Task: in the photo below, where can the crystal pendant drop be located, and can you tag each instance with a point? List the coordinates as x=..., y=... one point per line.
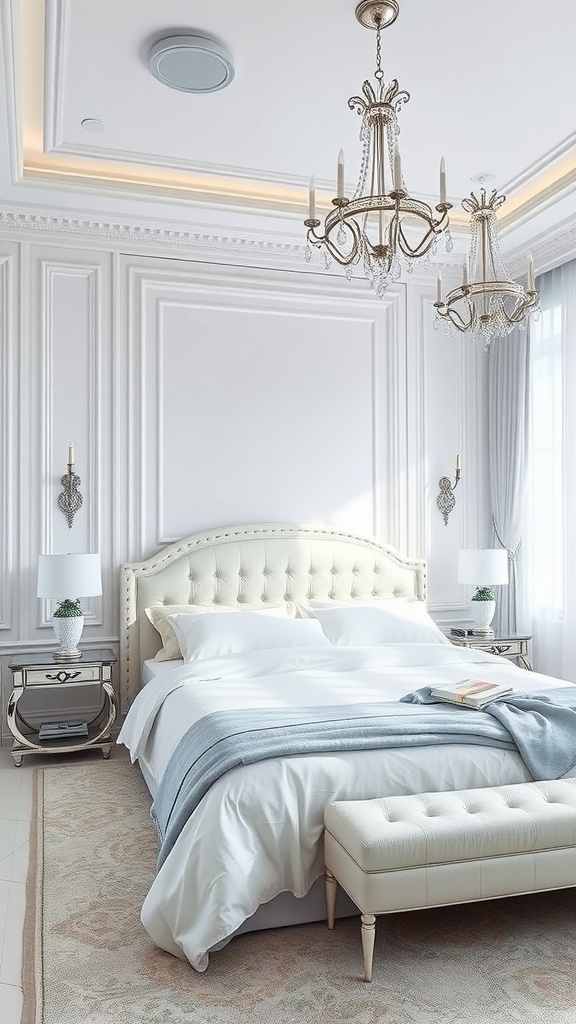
x=341, y=235
x=307, y=254
x=449, y=242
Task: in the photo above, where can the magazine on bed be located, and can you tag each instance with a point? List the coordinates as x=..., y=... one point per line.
x=474, y=693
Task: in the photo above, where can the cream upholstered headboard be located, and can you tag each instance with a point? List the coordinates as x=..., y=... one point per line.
x=254, y=565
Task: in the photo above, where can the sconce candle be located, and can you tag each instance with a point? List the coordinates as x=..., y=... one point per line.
x=70, y=499
x=446, y=501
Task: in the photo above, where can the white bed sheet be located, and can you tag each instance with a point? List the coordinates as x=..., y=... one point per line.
x=258, y=831
x=152, y=668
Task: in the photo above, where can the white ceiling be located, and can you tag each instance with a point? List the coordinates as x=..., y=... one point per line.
x=492, y=89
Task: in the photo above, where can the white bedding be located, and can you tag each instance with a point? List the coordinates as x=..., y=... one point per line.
x=151, y=668
x=257, y=831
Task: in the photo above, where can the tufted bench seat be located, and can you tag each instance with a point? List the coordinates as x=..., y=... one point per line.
x=433, y=849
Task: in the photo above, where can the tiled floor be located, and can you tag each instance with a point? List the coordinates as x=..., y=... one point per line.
x=15, y=810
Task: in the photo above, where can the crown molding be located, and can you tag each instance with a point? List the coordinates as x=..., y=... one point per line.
x=146, y=234
x=550, y=249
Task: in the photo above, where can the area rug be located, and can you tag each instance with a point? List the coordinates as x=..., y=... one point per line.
x=88, y=959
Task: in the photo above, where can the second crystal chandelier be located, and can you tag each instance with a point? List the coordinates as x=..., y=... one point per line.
x=380, y=224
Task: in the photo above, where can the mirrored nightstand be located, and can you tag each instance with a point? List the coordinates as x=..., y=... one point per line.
x=40, y=671
x=514, y=647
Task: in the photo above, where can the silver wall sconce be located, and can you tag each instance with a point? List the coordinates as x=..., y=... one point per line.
x=446, y=500
x=70, y=500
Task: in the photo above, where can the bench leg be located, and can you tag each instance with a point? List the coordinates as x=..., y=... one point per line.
x=331, y=890
x=368, y=936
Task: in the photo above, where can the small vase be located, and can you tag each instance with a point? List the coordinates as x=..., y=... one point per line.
x=68, y=632
x=483, y=613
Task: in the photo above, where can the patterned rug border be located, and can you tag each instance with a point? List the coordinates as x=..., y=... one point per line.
x=32, y=966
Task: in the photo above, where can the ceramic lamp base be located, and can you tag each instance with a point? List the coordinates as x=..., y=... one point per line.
x=483, y=613
x=68, y=631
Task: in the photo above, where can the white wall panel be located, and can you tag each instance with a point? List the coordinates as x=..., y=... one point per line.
x=70, y=401
x=266, y=398
x=10, y=446
x=455, y=412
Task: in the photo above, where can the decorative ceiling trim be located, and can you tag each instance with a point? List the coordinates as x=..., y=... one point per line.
x=143, y=234
x=55, y=51
x=10, y=33
x=550, y=249
x=543, y=163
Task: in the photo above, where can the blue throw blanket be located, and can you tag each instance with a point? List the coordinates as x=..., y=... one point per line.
x=541, y=726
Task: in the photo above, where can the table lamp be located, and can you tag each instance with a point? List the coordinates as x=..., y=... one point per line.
x=67, y=578
x=485, y=568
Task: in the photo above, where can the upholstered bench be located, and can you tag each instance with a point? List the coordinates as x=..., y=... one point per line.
x=433, y=849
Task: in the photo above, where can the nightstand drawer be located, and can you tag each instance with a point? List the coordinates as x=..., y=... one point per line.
x=62, y=674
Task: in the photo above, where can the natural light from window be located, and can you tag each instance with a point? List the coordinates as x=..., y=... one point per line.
x=545, y=497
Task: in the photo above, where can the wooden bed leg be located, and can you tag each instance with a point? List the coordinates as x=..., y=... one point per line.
x=368, y=936
x=331, y=890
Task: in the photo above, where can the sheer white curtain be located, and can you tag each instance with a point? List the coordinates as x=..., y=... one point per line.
x=508, y=432
x=551, y=492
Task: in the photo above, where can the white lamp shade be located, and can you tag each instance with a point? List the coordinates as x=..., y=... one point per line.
x=483, y=566
x=69, y=576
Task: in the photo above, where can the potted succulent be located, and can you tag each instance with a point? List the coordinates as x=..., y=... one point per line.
x=68, y=622
x=483, y=608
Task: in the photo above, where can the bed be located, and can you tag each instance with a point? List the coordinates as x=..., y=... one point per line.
x=249, y=855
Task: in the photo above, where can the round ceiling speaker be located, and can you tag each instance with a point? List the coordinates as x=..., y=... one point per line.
x=191, y=63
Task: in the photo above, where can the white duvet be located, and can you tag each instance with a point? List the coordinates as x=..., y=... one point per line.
x=257, y=831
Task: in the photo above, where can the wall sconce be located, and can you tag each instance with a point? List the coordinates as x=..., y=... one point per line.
x=446, y=500
x=70, y=500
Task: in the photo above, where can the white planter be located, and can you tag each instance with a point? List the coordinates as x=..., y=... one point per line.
x=68, y=632
x=483, y=613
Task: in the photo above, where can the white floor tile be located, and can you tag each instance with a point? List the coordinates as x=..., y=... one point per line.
x=11, y=1003
x=24, y=810
x=19, y=871
x=4, y=891
x=8, y=832
x=6, y=868
x=9, y=807
x=10, y=782
x=11, y=963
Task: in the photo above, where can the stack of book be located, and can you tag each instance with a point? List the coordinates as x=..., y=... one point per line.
x=474, y=693
x=62, y=730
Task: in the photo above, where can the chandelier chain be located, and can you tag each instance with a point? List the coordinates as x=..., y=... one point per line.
x=379, y=74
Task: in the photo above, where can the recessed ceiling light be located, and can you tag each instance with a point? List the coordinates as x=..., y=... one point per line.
x=191, y=63
x=93, y=124
x=483, y=177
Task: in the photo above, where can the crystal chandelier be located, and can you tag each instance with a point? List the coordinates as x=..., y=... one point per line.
x=488, y=304
x=381, y=223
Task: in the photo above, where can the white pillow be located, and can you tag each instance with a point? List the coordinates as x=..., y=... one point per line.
x=384, y=622
x=159, y=616
x=209, y=636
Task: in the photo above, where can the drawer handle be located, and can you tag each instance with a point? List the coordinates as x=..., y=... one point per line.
x=62, y=677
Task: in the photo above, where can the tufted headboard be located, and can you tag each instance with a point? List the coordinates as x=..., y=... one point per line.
x=253, y=565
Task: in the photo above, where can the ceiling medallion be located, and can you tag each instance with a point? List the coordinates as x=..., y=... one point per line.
x=369, y=227
x=488, y=304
